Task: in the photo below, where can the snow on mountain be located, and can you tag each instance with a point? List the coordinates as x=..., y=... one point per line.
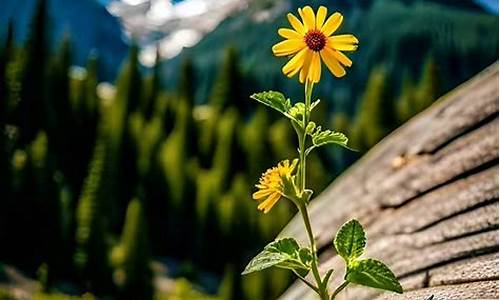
x=170, y=25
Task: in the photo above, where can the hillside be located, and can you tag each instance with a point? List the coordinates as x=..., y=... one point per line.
x=398, y=34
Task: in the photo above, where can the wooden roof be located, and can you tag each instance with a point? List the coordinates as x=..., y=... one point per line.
x=428, y=197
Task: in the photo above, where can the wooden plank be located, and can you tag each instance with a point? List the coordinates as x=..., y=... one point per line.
x=474, y=290
x=466, y=193
x=479, y=268
x=469, y=152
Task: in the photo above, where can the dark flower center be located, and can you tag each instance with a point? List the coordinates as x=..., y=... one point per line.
x=315, y=40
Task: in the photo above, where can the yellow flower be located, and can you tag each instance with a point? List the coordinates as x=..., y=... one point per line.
x=272, y=186
x=311, y=42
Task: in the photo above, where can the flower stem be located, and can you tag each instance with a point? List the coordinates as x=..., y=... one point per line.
x=321, y=288
x=306, y=282
x=339, y=289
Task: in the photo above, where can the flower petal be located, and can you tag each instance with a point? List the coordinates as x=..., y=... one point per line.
x=288, y=47
x=296, y=24
x=262, y=193
x=308, y=18
x=342, y=58
x=293, y=65
x=315, y=68
x=289, y=33
x=332, y=24
x=321, y=16
x=267, y=204
x=344, y=42
x=304, y=72
x=332, y=63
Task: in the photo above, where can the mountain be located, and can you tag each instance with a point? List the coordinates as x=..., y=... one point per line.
x=399, y=34
x=87, y=22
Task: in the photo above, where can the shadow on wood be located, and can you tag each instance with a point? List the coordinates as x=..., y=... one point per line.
x=428, y=197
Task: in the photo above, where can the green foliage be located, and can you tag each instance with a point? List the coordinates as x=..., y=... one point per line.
x=33, y=101
x=340, y=122
x=285, y=253
x=373, y=273
x=132, y=256
x=226, y=90
x=406, y=103
x=375, y=115
x=323, y=137
x=59, y=296
x=350, y=241
x=429, y=87
x=174, y=154
x=414, y=98
x=184, y=290
x=275, y=100
x=146, y=136
x=252, y=137
x=281, y=137
x=6, y=294
x=91, y=253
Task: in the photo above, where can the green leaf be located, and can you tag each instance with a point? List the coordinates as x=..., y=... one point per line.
x=274, y=100
x=373, y=273
x=323, y=137
x=284, y=253
x=350, y=241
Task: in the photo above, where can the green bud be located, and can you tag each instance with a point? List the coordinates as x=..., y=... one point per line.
x=310, y=127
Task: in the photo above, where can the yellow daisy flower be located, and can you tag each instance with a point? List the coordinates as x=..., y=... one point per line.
x=311, y=42
x=271, y=185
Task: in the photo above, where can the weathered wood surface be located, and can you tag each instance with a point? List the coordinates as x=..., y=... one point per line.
x=428, y=197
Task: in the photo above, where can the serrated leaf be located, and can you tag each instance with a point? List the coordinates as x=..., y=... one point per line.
x=284, y=253
x=350, y=241
x=320, y=138
x=274, y=100
x=373, y=273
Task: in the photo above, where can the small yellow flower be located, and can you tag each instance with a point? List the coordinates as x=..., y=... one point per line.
x=311, y=42
x=272, y=186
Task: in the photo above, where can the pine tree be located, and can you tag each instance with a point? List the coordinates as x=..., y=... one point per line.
x=152, y=85
x=406, y=106
x=5, y=57
x=281, y=137
x=375, y=117
x=6, y=54
x=132, y=256
x=252, y=137
x=91, y=254
x=187, y=81
x=33, y=101
x=429, y=86
x=226, y=92
x=174, y=155
x=122, y=172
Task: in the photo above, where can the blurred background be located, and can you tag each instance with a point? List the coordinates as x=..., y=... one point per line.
x=130, y=147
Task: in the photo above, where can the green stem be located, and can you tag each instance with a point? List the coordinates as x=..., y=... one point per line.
x=322, y=290
x=306, y=282
x=314, y=265
x=339, y=289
